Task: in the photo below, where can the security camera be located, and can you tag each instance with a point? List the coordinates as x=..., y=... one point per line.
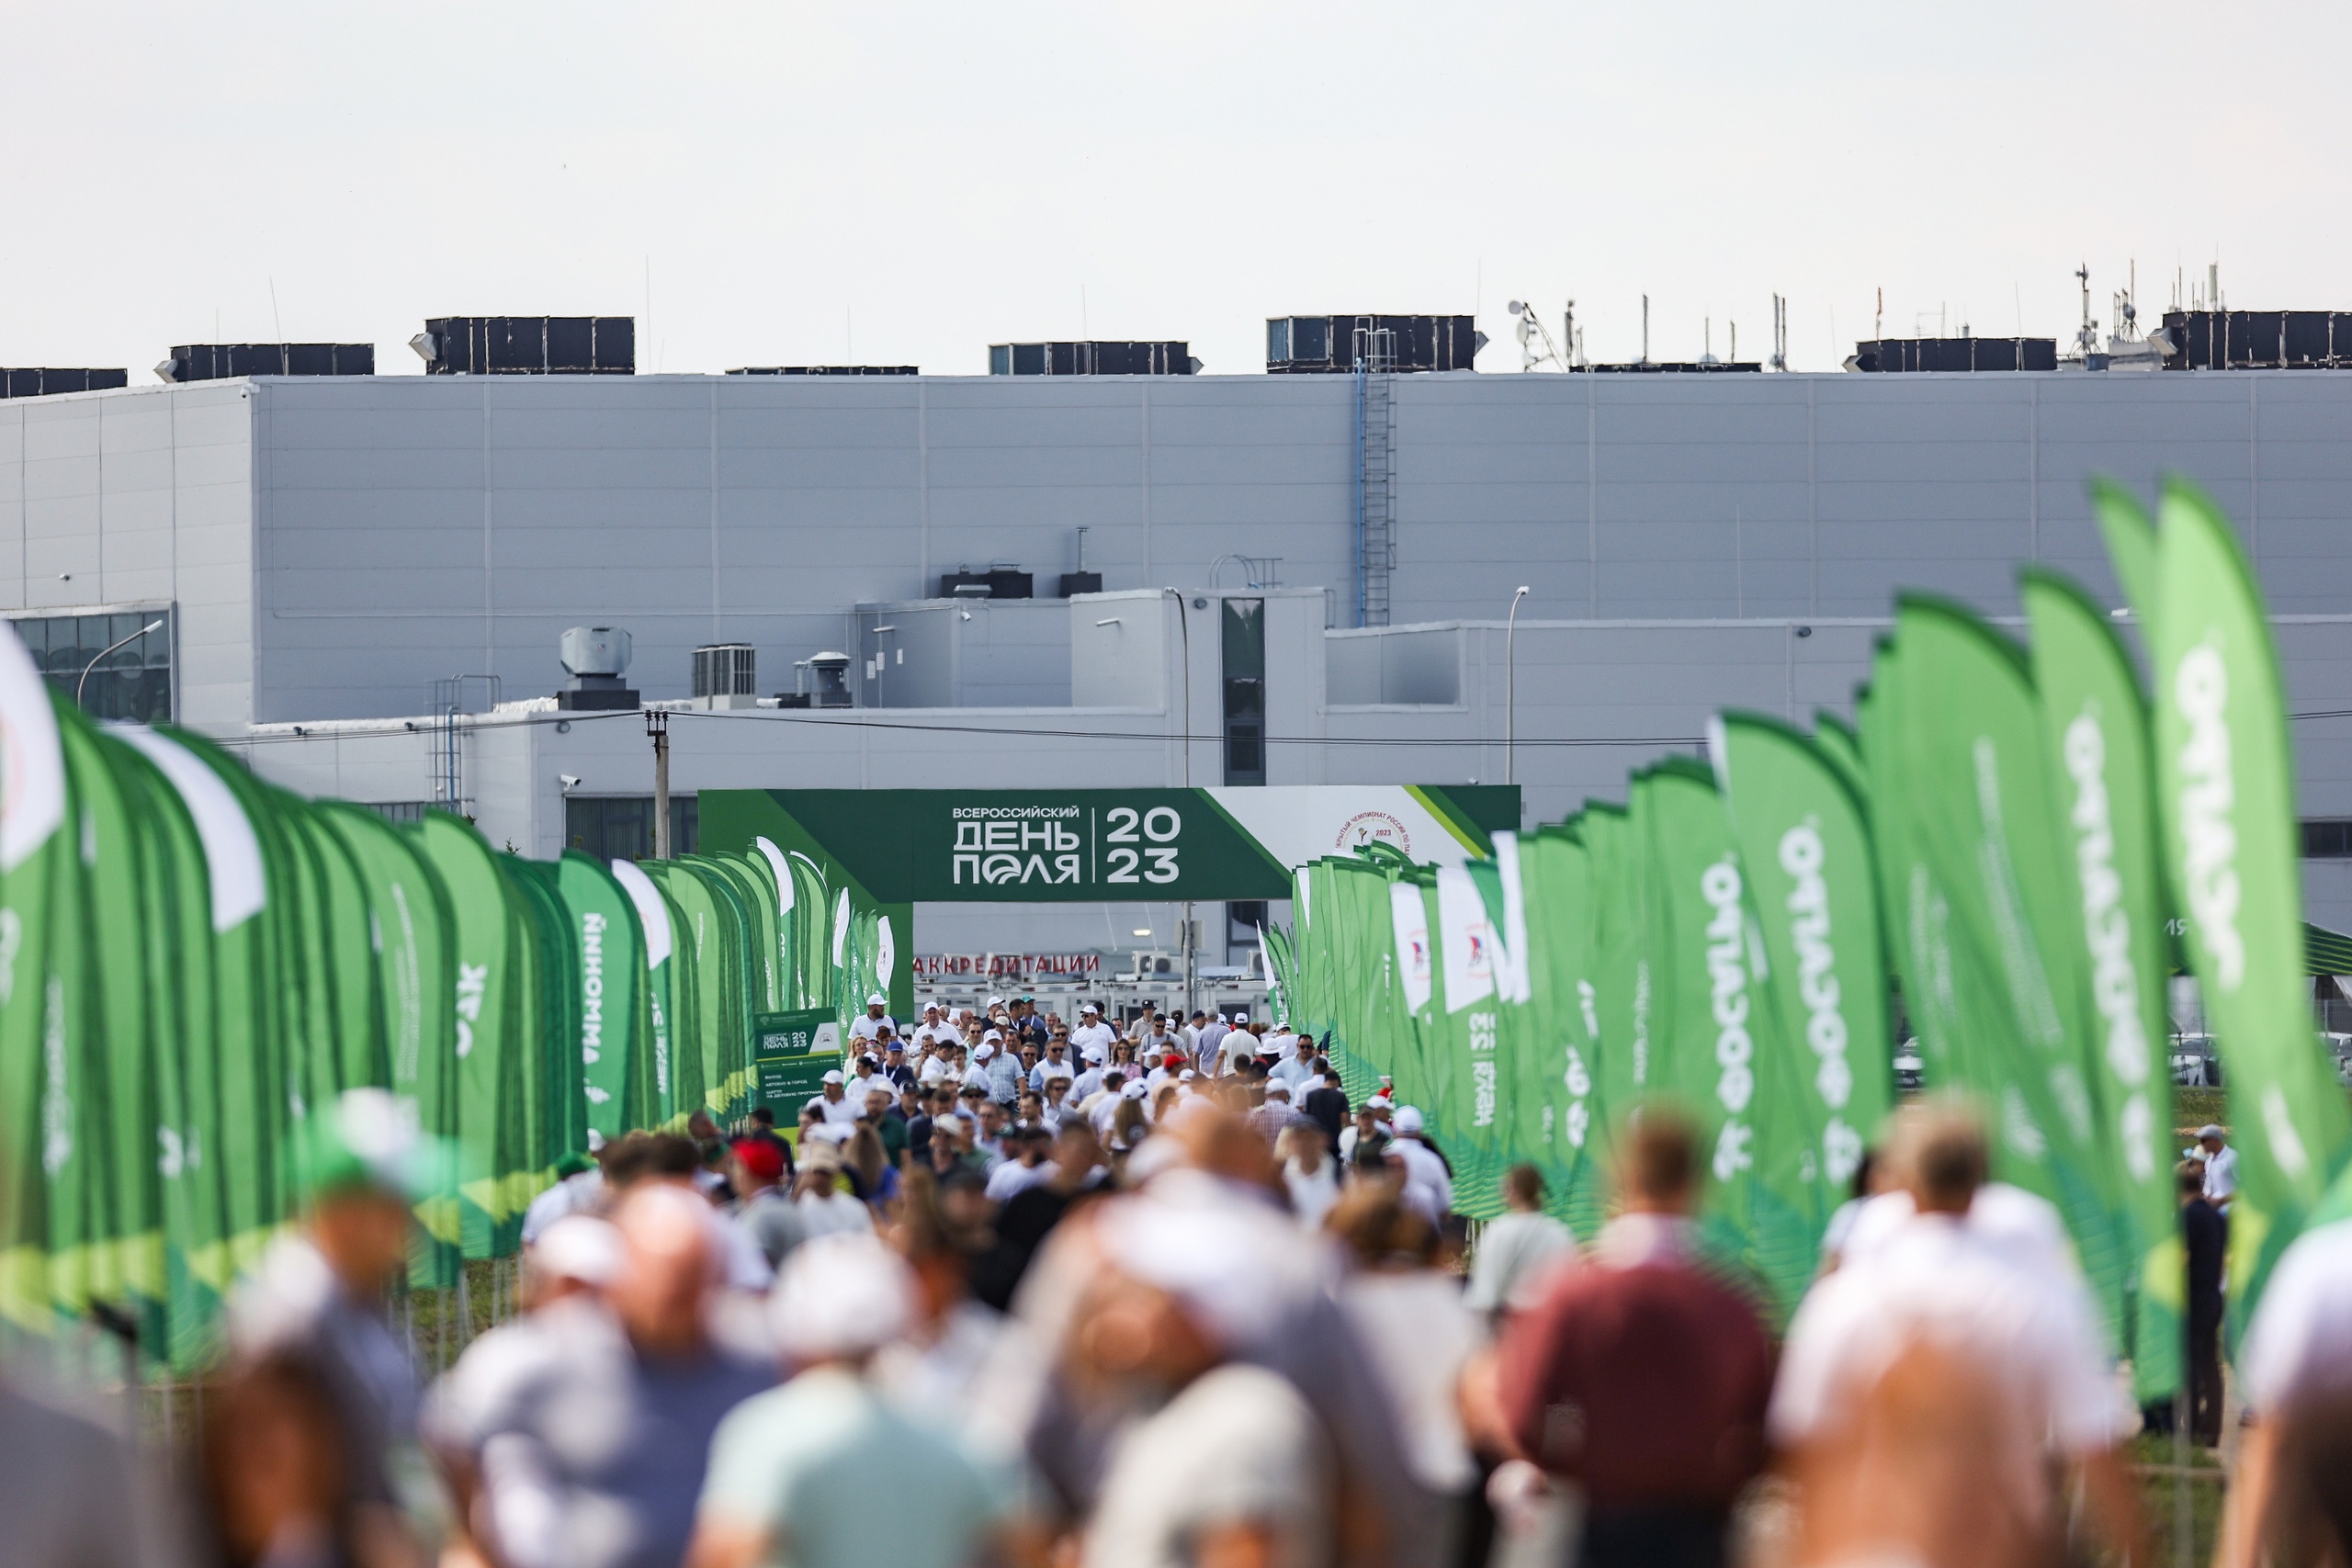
x=569, y=782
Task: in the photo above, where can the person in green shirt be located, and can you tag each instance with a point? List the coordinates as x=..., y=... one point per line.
x=880, y=1108
x=791, y=1482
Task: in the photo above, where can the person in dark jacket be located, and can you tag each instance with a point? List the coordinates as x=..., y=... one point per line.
x=1325, y=1104
x=2205, y=1236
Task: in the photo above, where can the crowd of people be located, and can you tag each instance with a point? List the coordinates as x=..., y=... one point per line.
x=1027, y=1293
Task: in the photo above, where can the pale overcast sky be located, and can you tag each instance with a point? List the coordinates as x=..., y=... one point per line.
x=906, y=182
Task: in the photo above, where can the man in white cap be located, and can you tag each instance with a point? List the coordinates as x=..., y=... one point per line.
x=1238, y=1046
x=935, y=1031
x=1004, y=1073
x=2220, y=1166
x=615, y=1487
x=975, y=1076
x=1428, y=1186
x=1091, y=1034
x=833, y=1101
x=793, y=1470
x=878, y=1017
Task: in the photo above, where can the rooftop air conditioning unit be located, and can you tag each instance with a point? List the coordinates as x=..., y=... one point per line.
x=727, y=675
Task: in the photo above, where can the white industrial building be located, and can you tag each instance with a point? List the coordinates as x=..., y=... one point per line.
x=323, y=551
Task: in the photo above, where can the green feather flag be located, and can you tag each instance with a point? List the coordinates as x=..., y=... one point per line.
x=1805, y=850
x=413, y=939
x=1991, y=976
x=2095, y=736
x=609, y=944
x=487, y=1014
x=2225, y=785
x=1721, y=1051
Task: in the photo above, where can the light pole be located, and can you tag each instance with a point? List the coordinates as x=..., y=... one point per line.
x=93, y=664
x=1184, y=730
x=1510, y=685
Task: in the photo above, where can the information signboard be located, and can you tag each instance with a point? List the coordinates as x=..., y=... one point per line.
x=792, y=1052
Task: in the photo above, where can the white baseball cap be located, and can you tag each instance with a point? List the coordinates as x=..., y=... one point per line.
x=578, y=1247
x=1241, y=1016
x=1136, y=1090
x=840, y=1295
x=878, y=1000
x=996, y=1001
x=834, y=1075
x=985, y=1050
x=1408, y=1119
x=1379, y=1102
x=931, y=1007
x=1094, y=1055
x=1089, y=1007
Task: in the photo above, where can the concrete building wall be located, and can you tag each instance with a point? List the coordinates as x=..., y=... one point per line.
x=140, y=498
x=400, y=529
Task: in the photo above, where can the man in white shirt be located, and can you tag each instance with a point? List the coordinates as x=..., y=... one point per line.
x=833, y=1104
x=1237, y=1046
x=1091, y=1034
x=2220, y=1166
x=877, y=1013
x=945, y=1064
x=1428, y=1187
x=935, y=1031
x=1927, y=1384
x=865, y=1072
x=1027, y=1168
x=977, y=1075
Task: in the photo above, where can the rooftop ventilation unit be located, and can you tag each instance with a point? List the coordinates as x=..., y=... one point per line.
x=727, y=675
x=528, y=345
x=596, y=658
x=829, y=672
x=1912, y=356
x=2258, y=340
x=1335, y=344
x=1002, y=581
x=42, y=383
x=1092, y=358
x=225, y=361
x=828, y=370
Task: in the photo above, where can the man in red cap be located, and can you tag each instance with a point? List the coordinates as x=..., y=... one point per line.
x=763, y=1208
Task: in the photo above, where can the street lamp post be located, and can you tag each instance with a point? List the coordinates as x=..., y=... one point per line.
x=93, y=664
x=1510, y=685
x=1184, y=730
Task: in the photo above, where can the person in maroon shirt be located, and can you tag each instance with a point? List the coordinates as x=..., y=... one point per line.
x=1643, y=1380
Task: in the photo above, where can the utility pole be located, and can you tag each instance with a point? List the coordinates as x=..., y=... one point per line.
x=657, y=725
x=1511, y=685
